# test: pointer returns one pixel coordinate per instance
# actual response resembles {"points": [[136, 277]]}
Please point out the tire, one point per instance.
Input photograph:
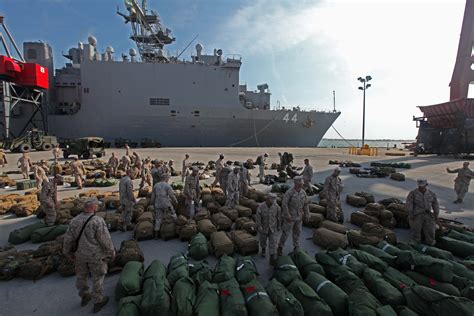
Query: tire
{"points": [[65, 154], [99, 155], [86, 155], [25, 148], [133, 145], [46, 147]]}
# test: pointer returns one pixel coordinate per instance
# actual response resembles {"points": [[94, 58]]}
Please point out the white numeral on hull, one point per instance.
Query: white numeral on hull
{"points": [[286, 118]]}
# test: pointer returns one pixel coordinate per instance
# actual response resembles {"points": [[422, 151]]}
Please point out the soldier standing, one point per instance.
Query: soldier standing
{"points": [[268, 220], [78, 172], [24, 163], [113, 165], [192, 192], [162, 198], [261, 166], [43, 164], [462, 181], [126, 162], [233, 182], [244, 180], [127, 150], [146, 174], [3, 158], [137, 162], [423, 210], [127, 199], [219, 167], [307, 176], [171, 168], [224, 177], [90, 251], [332, 189], [40, 176], [294, 207], [184, 167], [49, 199], [56, 153]]}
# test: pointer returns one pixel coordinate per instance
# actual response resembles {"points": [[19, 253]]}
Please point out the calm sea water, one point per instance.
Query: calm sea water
{"points": [[384, 143]]}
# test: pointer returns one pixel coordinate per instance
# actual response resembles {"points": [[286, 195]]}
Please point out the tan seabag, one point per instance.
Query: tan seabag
{"points": [[328, 239], [221, 244]]}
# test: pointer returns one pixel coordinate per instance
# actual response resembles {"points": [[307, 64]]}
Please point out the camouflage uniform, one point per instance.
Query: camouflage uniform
{"points": [[192, 192], [219, 167], [146, 175], [268, 220], [224, 177], [294, 207], [3, 158], [95, 247], [25, 164], [56, 153], [127, 200], [418, 206], [244, 181], [48, 200], [78, 171], [462, 181], [332, 189], [184, 169], [162, 197], [261, 168], [126, 162], [159, 173], [113, 165], [307, 177], [40, 176], [138, 162], [233, 181]]}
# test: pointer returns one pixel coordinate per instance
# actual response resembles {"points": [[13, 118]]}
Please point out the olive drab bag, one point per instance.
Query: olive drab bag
{"points": [[184, 297], [21, 235], [370, 260], [177, 268], [207, 301], [334, 296], [309, 299], [130, 280], [346, 259], [200, 272], [285, 270], [129, 306], [285, 302], [257, 300], [198, 248], [245, 270], [386, 293], [156, 297], [231, 299], [305, 263], [224, 270]]}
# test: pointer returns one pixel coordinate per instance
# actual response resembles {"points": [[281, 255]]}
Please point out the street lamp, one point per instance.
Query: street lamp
{"points": [[365, 86]]}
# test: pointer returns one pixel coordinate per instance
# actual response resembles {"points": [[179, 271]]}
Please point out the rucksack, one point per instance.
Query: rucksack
{"points": [[198, 249]]}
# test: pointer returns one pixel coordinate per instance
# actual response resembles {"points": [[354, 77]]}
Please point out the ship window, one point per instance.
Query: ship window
{"points": [[173, 113], [196, 113], [31, 53], [160, 101]]}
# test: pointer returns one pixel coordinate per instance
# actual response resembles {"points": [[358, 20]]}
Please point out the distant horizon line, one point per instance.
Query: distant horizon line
{"points": [[383, 139]]}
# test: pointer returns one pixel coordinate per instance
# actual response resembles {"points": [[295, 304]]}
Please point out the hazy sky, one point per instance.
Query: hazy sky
{"points": [[303, 49]]}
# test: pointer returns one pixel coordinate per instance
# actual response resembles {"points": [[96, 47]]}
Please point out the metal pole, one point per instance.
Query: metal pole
{"points": [[334, 99], [363, 118]]}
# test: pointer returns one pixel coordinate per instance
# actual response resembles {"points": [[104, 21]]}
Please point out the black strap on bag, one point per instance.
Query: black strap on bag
{"points": [[76, 243]]}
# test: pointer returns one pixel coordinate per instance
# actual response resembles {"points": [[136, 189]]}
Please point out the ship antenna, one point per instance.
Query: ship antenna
{"points": [[187, 46], [334, 100]]}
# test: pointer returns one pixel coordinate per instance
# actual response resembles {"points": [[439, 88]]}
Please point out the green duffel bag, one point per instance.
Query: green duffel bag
{"points": [[198, 248], [183, 298], [347, 280], [129, 306], [331, 267], [386, 310], [388, 248], [346, 259], [156, 298], [48, 233], [428, 302], [305, 263], [461, 236], [177, 268], [405, 311], [21, 235], [370, 260], [130, 280], [309, 299], [462, 270], [285, 270], [386, 293], [200, 272], [334, 296], [225, 269], [421, 279], [379, 253], [231, 299], [438, 269], [362, 303], [286, 303], [257, 300], [207, 301], [432, 251], [245, 270], [397, 278], [459, 248], [468, 292]]}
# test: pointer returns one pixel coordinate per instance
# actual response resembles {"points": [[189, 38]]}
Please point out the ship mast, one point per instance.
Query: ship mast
{"points": [[147, 31]]}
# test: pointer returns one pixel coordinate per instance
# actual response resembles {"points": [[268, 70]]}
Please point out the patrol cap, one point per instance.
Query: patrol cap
{"points": [[272, 196], [194, 168], [422, 182], [91, 201], [298, 179], [338, 169]]}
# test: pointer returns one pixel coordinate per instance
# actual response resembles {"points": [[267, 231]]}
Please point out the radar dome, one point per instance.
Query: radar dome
{"points": [[219, 52], [92, 40], [199, 47], [132, 52], [109, 49]]}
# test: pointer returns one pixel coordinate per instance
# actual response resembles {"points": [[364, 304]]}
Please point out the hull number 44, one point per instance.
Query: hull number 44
{"points": [[294, 118]]}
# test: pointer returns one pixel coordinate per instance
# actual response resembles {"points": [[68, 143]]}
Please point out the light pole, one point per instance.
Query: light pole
{"points": [[365, 86]]}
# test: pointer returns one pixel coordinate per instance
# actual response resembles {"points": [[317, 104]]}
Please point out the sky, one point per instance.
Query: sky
{"points": [[304, 49]]}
